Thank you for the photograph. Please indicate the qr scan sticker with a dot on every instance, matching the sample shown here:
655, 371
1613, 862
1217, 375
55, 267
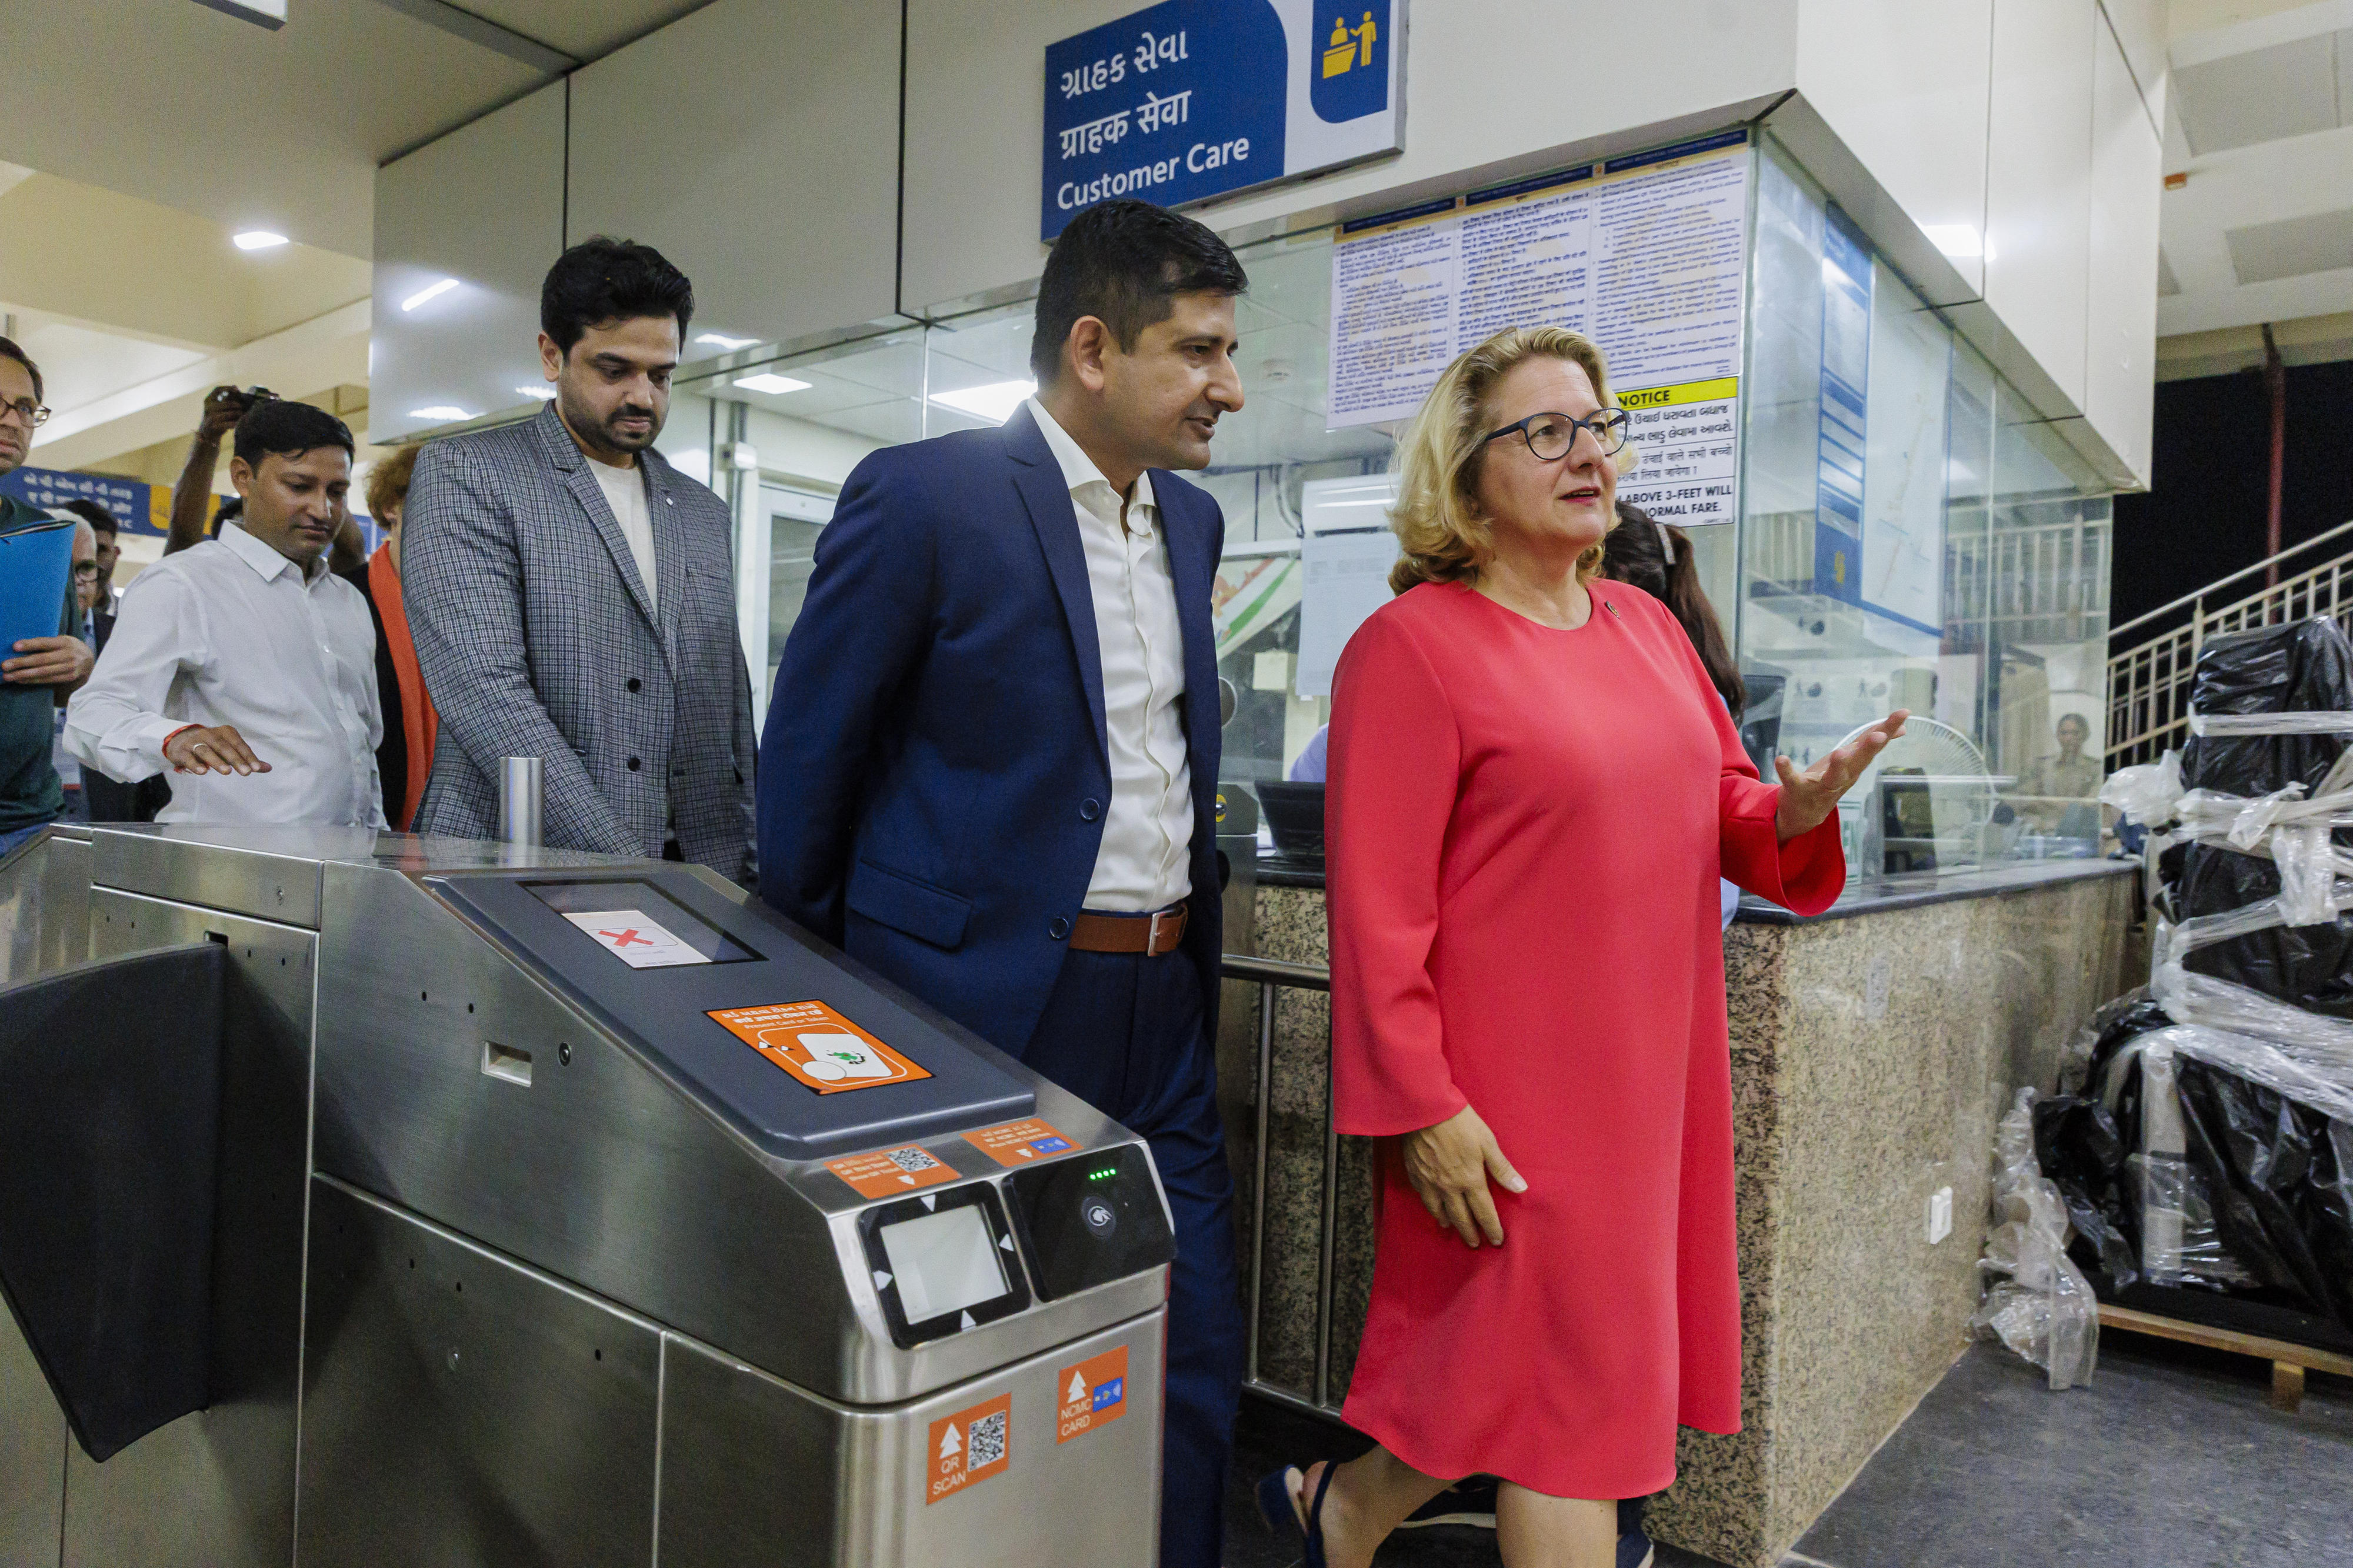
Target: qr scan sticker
913, 1160
985, 1445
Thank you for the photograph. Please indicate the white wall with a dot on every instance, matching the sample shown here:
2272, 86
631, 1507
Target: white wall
2127, 182
757, 145
1906, 87
484, 205
1493, 88
2035, 123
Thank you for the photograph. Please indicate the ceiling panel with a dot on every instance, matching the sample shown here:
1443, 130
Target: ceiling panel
584, 30
2290, 248
2238, 100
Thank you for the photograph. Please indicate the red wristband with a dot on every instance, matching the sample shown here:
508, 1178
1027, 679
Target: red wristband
165, 747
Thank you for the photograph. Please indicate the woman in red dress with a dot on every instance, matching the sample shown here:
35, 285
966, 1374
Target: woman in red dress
1533, 787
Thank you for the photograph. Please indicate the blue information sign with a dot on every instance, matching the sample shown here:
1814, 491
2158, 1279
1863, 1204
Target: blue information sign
1196, 99
1845, 405
128, 499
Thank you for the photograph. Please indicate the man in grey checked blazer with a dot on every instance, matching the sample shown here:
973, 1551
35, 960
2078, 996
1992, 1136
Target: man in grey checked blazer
525, 569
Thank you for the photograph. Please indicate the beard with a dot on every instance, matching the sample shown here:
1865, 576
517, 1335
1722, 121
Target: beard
600, 430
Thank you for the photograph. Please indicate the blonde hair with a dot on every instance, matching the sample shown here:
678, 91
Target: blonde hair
1436, 518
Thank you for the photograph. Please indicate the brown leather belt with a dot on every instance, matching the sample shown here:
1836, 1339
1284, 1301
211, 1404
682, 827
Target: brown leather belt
1151, 935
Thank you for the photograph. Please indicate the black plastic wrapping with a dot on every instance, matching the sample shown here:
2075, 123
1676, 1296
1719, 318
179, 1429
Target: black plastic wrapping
2276, 1174
2307, 666
2082, 1146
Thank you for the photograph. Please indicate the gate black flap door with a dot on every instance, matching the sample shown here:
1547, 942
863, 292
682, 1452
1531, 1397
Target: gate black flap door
110, 1132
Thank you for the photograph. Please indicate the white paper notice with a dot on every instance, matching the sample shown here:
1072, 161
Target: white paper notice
1347, 579
1647, 256
638, 942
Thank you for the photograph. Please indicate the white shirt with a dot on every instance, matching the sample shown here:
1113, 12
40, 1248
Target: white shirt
625, 492
231, 632
1147, 838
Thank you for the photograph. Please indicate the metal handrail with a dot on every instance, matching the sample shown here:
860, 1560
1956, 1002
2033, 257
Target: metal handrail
1271, 975
2206, 592
2148, 683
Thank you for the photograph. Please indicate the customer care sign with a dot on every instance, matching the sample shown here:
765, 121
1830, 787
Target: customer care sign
1647, 255
1197, 98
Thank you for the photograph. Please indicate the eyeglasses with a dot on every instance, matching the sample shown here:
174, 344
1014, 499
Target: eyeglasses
86, 569
1550, 436
33, 414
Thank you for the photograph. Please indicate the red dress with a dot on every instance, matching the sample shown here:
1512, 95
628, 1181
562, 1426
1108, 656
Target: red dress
1526, 829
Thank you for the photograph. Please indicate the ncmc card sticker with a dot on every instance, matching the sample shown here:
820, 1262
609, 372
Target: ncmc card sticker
818, 1046
1092, 1394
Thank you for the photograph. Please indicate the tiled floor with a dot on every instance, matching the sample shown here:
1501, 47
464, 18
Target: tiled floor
2170, 1459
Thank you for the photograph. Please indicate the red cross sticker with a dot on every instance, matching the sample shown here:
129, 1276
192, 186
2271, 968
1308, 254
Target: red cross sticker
624, 938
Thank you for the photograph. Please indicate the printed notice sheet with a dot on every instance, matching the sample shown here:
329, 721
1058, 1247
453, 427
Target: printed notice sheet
1646, 255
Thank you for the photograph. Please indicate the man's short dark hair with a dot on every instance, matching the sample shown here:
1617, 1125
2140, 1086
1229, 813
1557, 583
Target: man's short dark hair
97, 516
8, 349
606, 280
287, 428
1125, 262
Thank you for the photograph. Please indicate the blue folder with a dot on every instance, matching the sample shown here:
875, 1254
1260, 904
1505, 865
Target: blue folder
36, 565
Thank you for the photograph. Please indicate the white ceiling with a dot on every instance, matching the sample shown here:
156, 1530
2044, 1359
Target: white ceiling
2258, 123
174, 103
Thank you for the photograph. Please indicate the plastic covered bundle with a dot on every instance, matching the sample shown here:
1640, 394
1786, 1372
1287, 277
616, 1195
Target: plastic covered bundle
2041, 1307
2270, 730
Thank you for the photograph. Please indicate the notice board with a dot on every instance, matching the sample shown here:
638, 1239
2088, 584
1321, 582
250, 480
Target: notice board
1647, 255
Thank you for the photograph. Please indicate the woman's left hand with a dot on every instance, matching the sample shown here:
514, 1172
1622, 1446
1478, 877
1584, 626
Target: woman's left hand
1808, 797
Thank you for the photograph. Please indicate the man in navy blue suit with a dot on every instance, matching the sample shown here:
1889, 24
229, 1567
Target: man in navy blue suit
990, 761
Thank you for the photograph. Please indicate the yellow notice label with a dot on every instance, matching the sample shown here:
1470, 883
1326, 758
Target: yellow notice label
1715, 391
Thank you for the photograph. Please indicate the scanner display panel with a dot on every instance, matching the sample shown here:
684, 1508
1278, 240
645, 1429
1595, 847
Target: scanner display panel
942, 1264
667, 1009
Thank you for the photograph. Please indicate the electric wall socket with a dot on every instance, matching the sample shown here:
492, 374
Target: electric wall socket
1940, 1215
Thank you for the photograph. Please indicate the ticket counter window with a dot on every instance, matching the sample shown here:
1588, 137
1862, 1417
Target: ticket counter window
1909, 530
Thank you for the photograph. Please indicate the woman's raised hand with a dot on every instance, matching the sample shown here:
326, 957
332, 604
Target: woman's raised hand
1808, 797
1449, 1166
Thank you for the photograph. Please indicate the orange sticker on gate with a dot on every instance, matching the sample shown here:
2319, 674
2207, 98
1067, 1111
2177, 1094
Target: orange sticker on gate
818, 1046
970, 1445
892, 1171
1092, 1394
1019, 1142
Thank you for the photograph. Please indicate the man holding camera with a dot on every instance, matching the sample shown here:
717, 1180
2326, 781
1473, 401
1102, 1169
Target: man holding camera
192, 493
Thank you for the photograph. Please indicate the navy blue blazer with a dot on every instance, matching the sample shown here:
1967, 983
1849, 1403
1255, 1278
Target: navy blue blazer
933, 775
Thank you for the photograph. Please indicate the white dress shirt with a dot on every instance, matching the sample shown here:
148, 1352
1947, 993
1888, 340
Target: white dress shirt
625, 492
231, 632
1144, 861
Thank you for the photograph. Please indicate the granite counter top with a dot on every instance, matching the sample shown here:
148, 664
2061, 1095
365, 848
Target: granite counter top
1278, 870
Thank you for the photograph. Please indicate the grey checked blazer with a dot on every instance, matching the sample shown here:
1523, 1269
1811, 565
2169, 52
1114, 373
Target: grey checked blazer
536, 639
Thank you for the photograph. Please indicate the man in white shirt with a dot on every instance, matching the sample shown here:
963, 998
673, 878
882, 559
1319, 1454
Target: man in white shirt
991, 758
243, 665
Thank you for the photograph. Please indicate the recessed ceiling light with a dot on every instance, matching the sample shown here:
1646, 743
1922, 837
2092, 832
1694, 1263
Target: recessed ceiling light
540, 389
257, 239
771, 383
995, 402
430, 291
720, 340
438, 411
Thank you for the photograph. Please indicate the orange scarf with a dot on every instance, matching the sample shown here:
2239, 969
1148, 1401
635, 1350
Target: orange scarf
418, 722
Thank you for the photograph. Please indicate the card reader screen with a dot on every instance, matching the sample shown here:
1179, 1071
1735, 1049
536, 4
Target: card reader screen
639, 924
944, 1262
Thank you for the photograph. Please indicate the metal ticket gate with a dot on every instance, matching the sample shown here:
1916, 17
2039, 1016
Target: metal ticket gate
566, 1210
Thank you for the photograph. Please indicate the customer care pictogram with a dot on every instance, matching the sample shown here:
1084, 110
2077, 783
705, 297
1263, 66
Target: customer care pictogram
818, 1046
1093, 1394
970, 1445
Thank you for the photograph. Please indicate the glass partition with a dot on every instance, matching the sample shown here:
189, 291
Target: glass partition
1910, 533
1913, 535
